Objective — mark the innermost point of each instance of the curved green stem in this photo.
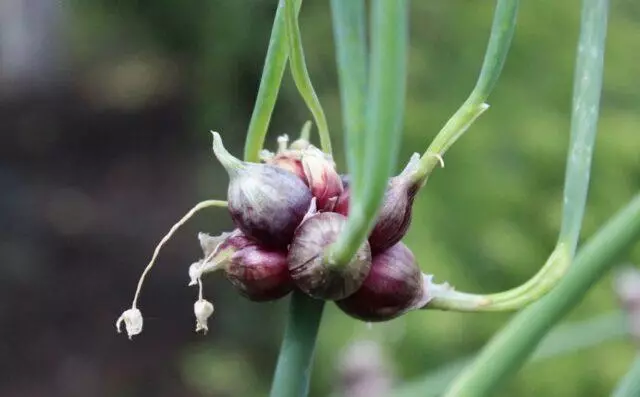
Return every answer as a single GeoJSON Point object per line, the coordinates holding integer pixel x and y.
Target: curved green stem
{"type": "Point", "coordinates": [504, 24]}
{"type": "Point", "coordinates": [629, 386]}
{"type": "Point", "coordinates": [446, 298]}
{"type": "Point", "coordinates": [349, 30]}
{"type": "Point", "coordinates": [301, 74]}
{"type": "Point", "coordinates": [584, 120]}
{"type": "Point", "coordinates": [509, 349]}
{"type": "Point", "coordinates": [275, 62]}
{"type": "Point", "coordinates": [385, 109]}
{"type": "Point", "coordinates": [293, 369]}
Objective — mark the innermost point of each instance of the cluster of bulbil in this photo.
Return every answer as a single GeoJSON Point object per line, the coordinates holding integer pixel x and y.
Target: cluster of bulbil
{"type": "Point", "coordinates": [287, 210]}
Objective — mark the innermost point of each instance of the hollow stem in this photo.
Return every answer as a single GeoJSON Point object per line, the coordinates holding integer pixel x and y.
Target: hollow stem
{"type": "Point", "coordinates": [502, 30]}
{"type": "Point", "coordinates": [274, 64]}
{"type": "Point", "coordinates": [385, 109]}
{"type": "Point", "coordinates": [444, 297]}
{"type": "Point", "coordinates": [301, 74]}
{"type": "Point", "coordinates": [293, 369]}
{"type": "Point", "coordinates": [584, 120]}
{"type": "Point", "coordinates": [509, 349]}
{"type": "Point", "coordinates": [349, 31]}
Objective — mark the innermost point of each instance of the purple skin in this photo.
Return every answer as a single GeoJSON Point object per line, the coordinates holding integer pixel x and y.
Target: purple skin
{"type": "Point", "coordinates": [259, 274]}
{"type": "Point", "coordinates": [394, 217]}
{"type": "Point", "coordinates": [268, 203]}
{"type": "Point", "coordinates": [306, 259]}
{"type": "Point", "coordinates": [394, 285]}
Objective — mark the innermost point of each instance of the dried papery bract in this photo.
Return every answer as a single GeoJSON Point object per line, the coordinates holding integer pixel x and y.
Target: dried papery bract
{"type": "Point", "coordinates": [258, 273]}
{"type": "Point", "coordinates": [394, 216]}
{"type": "Point", "coordinates": [393, 286]}
{"type": "Point", "coordinates": [309, 270]}
{"type": "Point", "coordinates": [266, 202]}
{"type": "Point", "coordinates": [132, 317]}
{"type": "Point", "coordinates": [321, 177]}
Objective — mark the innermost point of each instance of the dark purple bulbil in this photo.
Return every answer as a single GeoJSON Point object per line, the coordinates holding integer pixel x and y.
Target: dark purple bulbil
{"type": "Point", "coordinates": [393, 286]}
{"type": "Point", "coordinates": [266, 202]}
{"type": "Point", "coordinates": [307, 264]}
{"type": "Point", "coordinates": [394, 217]}
{"type": "Point", "coordinates": [258, 273]}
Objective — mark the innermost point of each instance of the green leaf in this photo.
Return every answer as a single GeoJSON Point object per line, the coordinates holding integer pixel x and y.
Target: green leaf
{"type": "Point", "coordinates": [385, 111]}
{"type": "Point", "coordinates": [274, 64]}
{"type": "Point", "coordinates": [301, 75]}
{"type": "Point", "coordinates": [293, 369]}
{"type": "Point", "coordinates": [349, 30]}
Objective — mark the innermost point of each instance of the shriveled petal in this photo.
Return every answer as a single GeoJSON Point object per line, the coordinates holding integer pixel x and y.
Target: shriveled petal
{"type": "Point", "coordinates": [323, 179]}
{"type": "Point", "coordinates": [210, 243]}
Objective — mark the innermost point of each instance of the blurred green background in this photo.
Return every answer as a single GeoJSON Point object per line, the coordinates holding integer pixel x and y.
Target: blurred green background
{"type": "Point", "coordinates": [105, 108]}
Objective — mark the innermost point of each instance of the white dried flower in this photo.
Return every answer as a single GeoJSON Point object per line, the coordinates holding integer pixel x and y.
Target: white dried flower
{"type": "Point", "coordinates": [203, 309]}
{"type": "Point", "coordinates": [132, 319]}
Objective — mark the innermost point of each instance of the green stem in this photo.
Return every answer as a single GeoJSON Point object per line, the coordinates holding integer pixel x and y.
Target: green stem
{"type": "Point", "coordinates": [509, 349]}
{"type": "Point", "coordinates": [629, 386]}
{"type": "Point", "coordinates": [504, 24]}
{"type": "Point", "coordinates": [446, 298]}
{"type": "Point", "coordinates": [291, 378]}
{"type": "Point", "coordinates": [293, 369]}
{"type": "Point", "coordinates": [584, 121]}
{"type": "Point", "coordinates": [349, 30]}
{"type": "Point", "coordinates": [587, 86]}
{"type": "Point", "coordinates": [385, 109]}
{"type": "Point", "coordinates": [301, 74]}
{"type": "Point", "coordinates": [275, 62]}
{"type": "Point", "coordinates": [565, 339]}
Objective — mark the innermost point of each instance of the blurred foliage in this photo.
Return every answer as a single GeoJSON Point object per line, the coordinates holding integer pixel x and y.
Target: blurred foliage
{"type": "Point", "coordinates": [485, 223]}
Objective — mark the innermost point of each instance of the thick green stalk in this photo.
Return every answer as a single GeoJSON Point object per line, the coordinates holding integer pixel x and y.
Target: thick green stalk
{"type": "Point", "coordinates": [293, 370]}
{"type": "Point", "coordinates": [565, 339]}
{"type": "Point", "coordinates": [629, 386]}
{"type": "Point", "coordinates": [349, 30]}
{"type": "Point", "coordinates": [519, 338]}
{"type": "Point", "coordinates": [511, 347]}
{"type": "Point", "coordinates": [291, 378]}
{"type": "Point", "coordinates": [584, 120]}
{"type": "Point", "coordinates": [385, 110]}
{"type": "Point", "coordinates": [301, 74]}
{"type": "Point", "coordinates": [275, 62]}
{"type": "Point", "coordinates": [504, 25]}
